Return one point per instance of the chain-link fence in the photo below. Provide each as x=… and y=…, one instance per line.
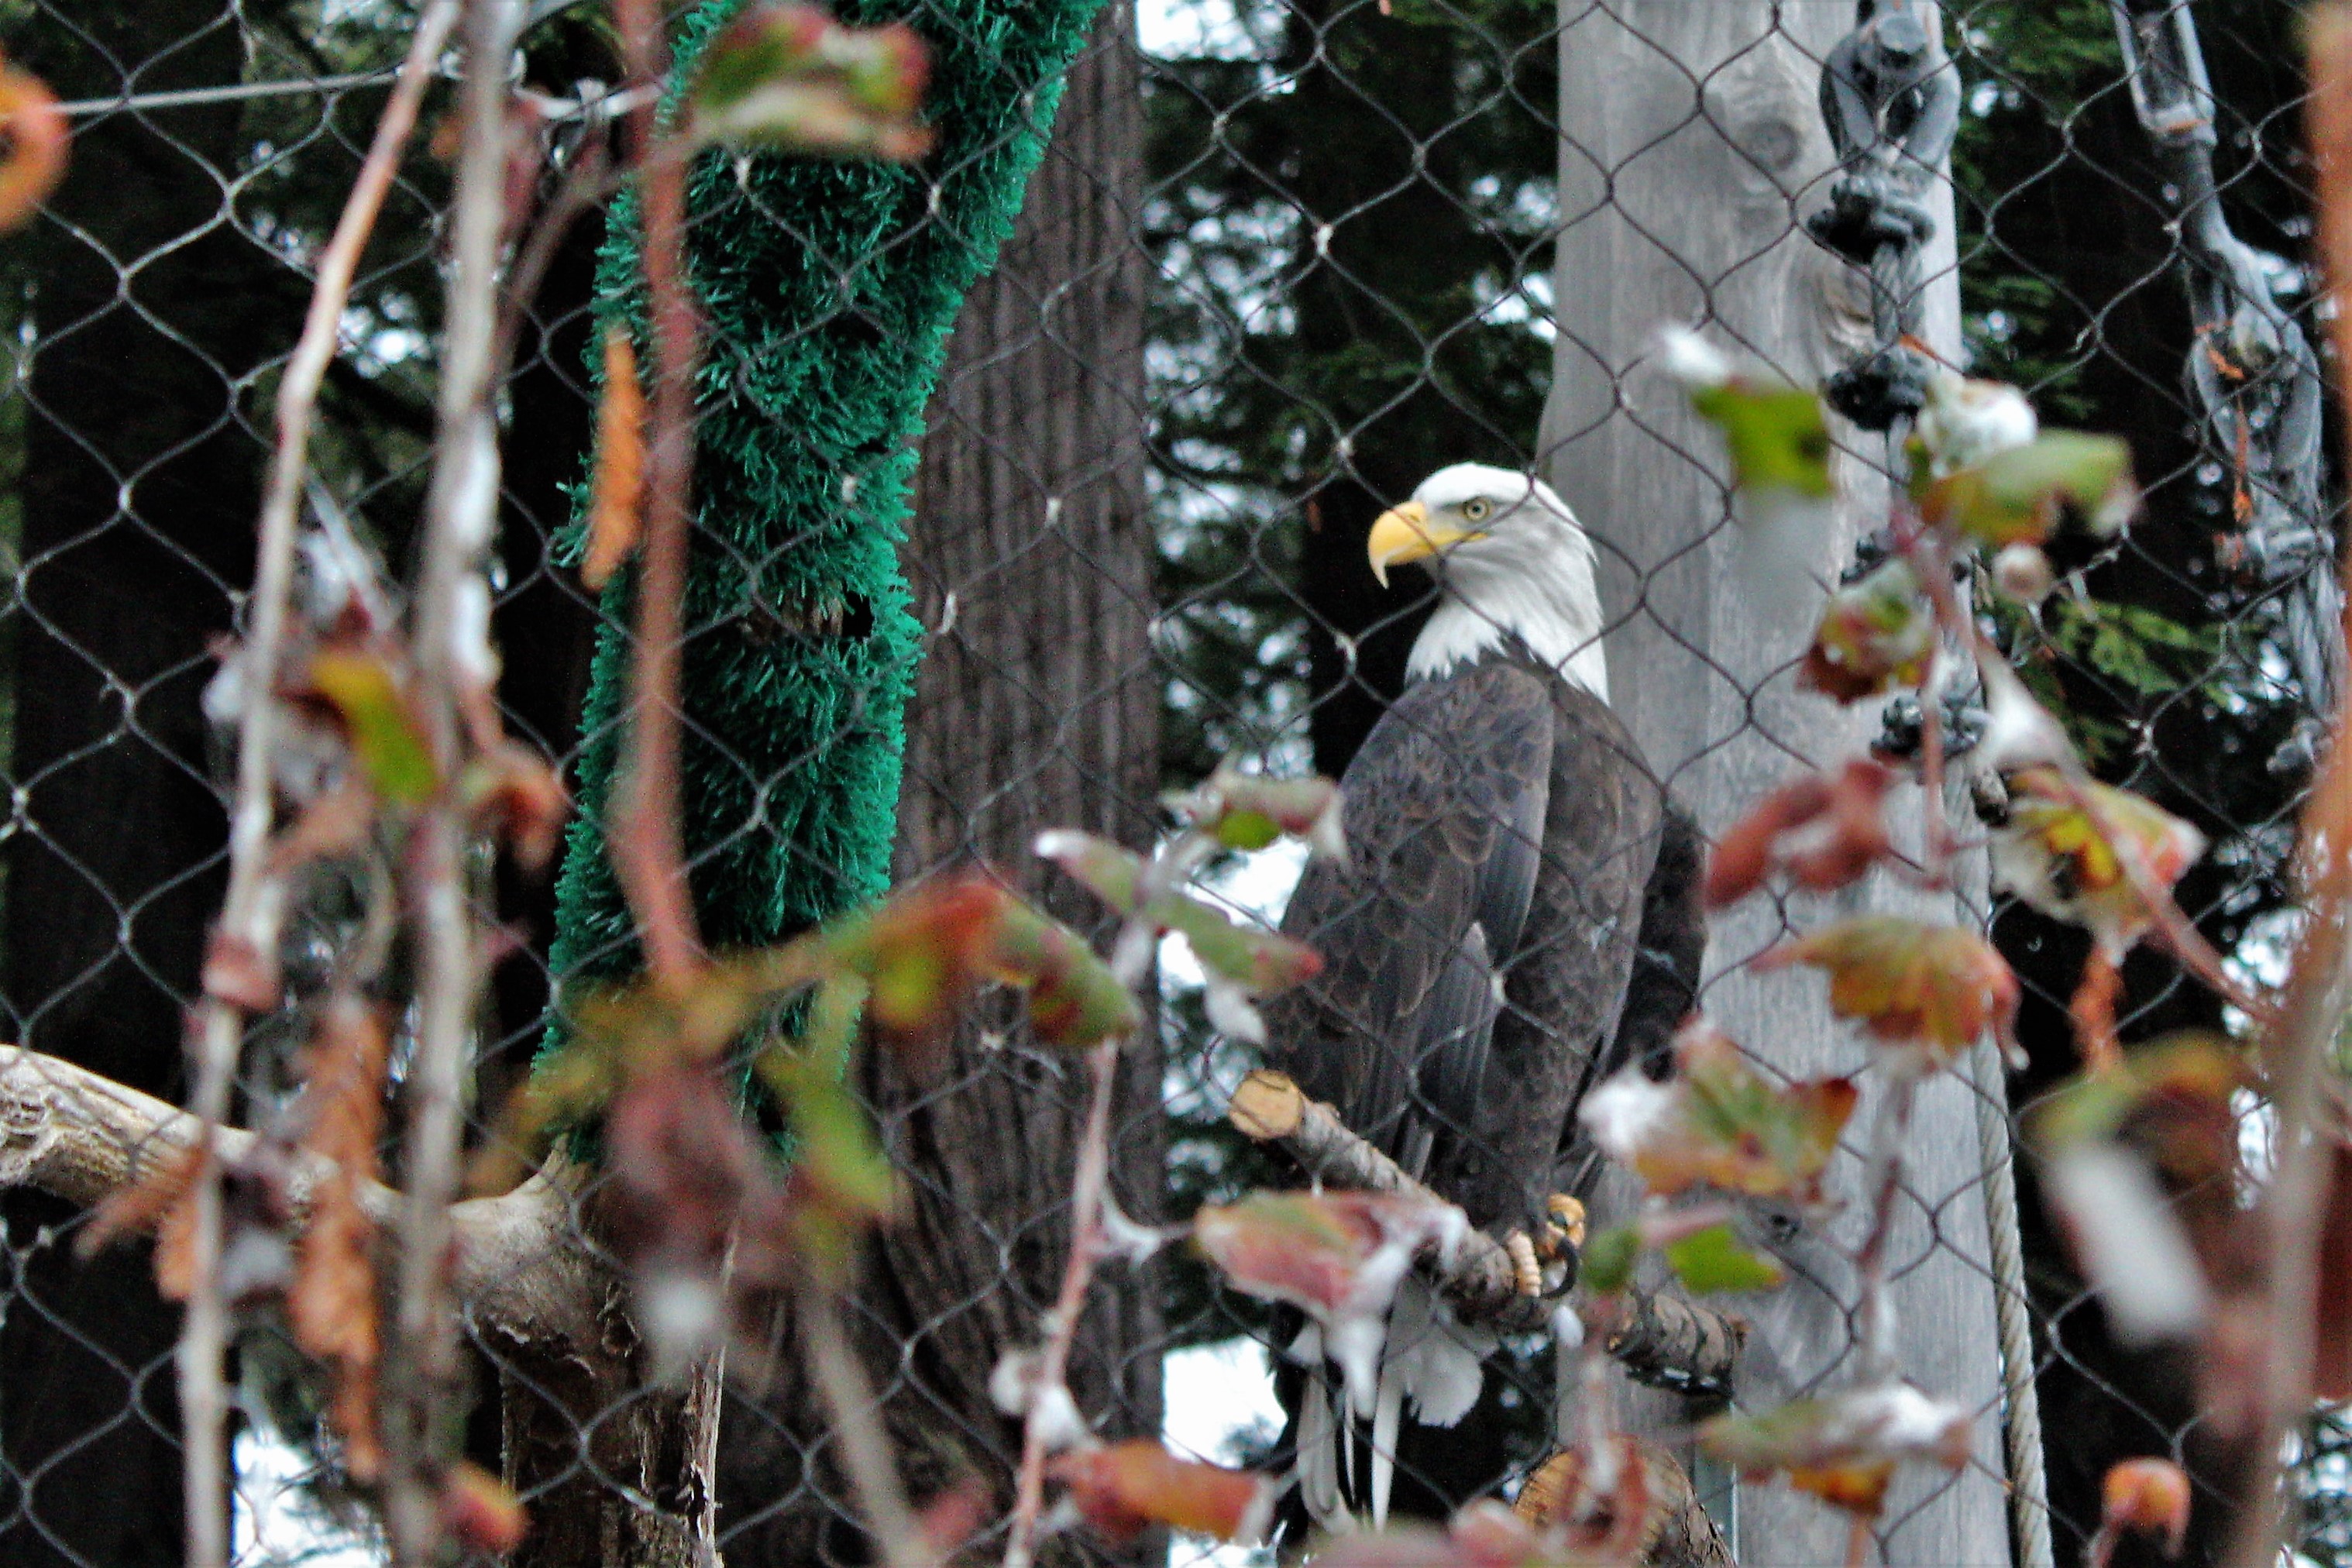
x=1282, y=260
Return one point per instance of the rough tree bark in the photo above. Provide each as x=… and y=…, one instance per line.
x=1031, y=557
x=1692, y=144
x=152, y=315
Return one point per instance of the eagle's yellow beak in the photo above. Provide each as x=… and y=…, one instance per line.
x=1406, y=533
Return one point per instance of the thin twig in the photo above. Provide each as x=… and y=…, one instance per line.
x=461, y=515
x=840, y=1380
x=645, y=834
x=1088, y=1187
x=249, y=910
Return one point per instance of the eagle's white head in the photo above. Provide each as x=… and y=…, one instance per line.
x=1511, y=561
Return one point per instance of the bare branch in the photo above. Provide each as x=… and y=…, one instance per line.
x=1090, y=1187
x=840, y=1378
x=249, y=912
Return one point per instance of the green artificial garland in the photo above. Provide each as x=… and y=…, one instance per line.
x=827, y=290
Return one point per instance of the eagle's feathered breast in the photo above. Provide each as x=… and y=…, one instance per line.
x=1480, y=942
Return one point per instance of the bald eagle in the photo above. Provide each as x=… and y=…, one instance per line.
x=1517, y=918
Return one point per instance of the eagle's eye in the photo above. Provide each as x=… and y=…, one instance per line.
x=1477, y=508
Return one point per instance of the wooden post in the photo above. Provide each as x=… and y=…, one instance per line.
x=1692, y=146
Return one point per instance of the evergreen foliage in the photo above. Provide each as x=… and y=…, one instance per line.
x=828, y=290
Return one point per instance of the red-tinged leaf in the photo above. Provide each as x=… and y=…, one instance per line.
x=953, y=1517
x=1937, y=988
x=37, y=138
x=1123, y=1490
x=516, y=795
x=2175, y=1099
x=616, y=491
x=378, y=722
x=683, y=1170
x=1075, y=999
x=1875, y=635
x=330, y=1304
x=924, y=953
x=240, y=975
x=1713, y=1259
x=1844, y=1449
x=1326, y=1252
x=2066, y=861
x=2017, y=496
x=2149, y=1495
x=1243, y=811
x=1719, y=1124
x=1109, y=871
x=483, y=1516
x=1825, y=832
x=1261, y=963
x=787, y=76
x=333, y=825
x=142, y=1207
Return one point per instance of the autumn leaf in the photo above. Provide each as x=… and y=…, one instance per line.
x=1825, y=832
x=1934, y=987
x=2066, y=861
x=1243, y=811
x=1075, y=999
x=1123, y=1490
x=371, y=705
x=1718, y=1123
x=1875, y=634
x=2017, y=496
x=1338, y=1255
x=483, y=1515
x=37, y=138
x=516, y=795
x=1261, y=963
x=617, y=489
x=2147, y=1496
x=331, y=1301
x=788, y=77
x=1842, y=1448
x=143, y=1206
x=924, y=953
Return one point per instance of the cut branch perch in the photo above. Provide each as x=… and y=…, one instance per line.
x=1664, y=1341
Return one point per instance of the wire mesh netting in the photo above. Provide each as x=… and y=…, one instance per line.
x=1282, y=260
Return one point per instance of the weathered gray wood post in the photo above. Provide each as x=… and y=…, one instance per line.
x=1692, y=146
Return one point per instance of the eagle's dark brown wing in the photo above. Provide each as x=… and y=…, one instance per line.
x=1443, y=808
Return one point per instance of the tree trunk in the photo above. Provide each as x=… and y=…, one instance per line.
x=1692, y=144
x=1037, y=706
x=151, y=314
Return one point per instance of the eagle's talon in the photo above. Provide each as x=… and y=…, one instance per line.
x=1527, y=1270
x=1563, y=1227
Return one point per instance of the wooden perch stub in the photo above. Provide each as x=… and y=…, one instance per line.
x=1663, y=1340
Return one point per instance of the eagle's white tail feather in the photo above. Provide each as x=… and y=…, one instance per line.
x=1388, y=1415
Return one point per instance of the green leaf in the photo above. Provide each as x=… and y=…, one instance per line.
x=2015, y=497
x=1075, y=999
x=1713, y=1259
x=1778, y=436
x=381, y=727
x=1607, y=1265
x=1260, y=961
x=1111, y=872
